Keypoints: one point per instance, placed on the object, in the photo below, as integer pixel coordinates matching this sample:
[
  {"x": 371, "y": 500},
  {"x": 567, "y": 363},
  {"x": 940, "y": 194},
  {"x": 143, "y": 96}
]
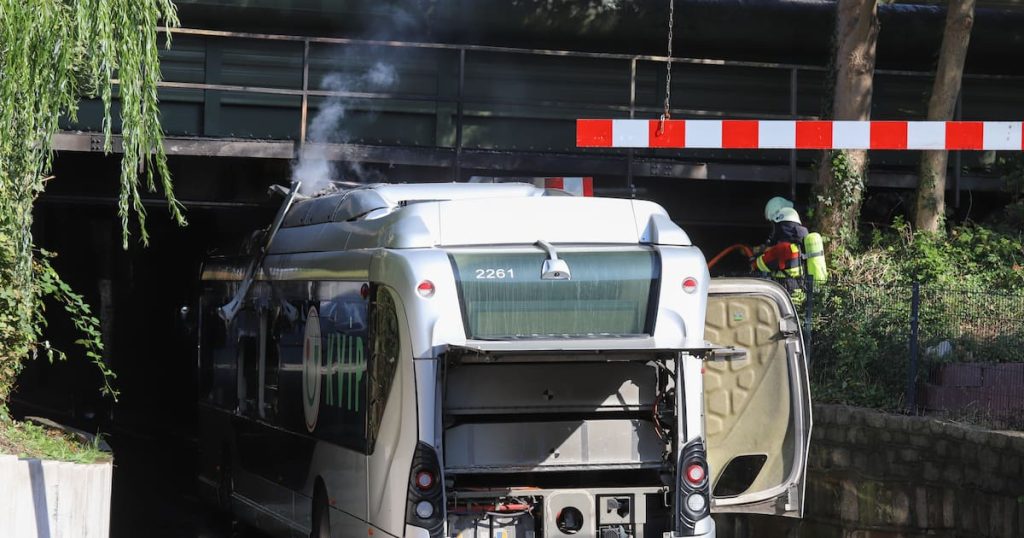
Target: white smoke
[
  {"x": 382, "y": 75},
  {"x": 313, "y": 168}
]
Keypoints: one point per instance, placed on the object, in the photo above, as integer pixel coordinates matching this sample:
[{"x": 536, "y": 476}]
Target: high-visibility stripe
[
  {"x": 1002, "y": 135},
  {"x": 588, "y": 186},
  {"x": 851, "y": 134},
  {"x": 888, "y": 135},
  {"x": 776, "y": 134},
  {"x": 965, "y": 135},
  {"x": 813, "y": 134},
  {"x": 801, "y": 134},
  {"x": 671, "y": 135},
  {"x": 580, "y": 186},
  {"x": 739, "y": 133},
  {"x": 594, "y": 133},
  {"x": 704, "y": 134},
  {"x": 630, "y": 134}
]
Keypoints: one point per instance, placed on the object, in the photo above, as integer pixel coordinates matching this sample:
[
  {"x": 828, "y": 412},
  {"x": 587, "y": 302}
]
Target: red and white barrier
[
  {"x": 800, "y": 134},
  {"x": 580, "y": 186}
]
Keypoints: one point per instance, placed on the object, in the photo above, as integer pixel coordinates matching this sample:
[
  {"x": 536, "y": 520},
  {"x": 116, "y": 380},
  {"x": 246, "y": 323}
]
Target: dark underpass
[
  {"x": 150, "y": 343},
  {"x": 139, "y": 295}
]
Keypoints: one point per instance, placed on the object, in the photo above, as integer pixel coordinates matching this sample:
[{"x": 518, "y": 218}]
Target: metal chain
[{"x": 668, "y": 68}]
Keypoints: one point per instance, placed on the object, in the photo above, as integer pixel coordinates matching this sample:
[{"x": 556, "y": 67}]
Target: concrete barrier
[{"x": 52, "y": 499}]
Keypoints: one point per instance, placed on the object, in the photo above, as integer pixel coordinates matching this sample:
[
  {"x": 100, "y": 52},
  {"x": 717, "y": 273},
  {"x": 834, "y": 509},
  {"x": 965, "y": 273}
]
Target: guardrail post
[
  {"x": 792, "y": 112},
  {"x": 305, "y": 92},
  {"x": 915, "y": 310},
  {"x": 632, "y": 114},
  {"x": 458, "y": 116}
]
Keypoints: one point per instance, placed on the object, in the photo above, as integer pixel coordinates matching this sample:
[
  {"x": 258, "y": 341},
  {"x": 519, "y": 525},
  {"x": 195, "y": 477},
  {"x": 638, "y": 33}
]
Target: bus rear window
[{"x": 503, "y": 296}]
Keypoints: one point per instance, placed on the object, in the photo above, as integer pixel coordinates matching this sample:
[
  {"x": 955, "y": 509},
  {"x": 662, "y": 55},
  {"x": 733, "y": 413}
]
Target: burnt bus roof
[
  {"x": 354, "y": 204},
  {"x": 403, "y": 216}
]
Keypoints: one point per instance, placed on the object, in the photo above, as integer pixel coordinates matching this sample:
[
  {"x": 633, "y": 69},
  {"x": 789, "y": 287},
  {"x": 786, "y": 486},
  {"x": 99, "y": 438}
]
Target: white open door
[{"x": 756, "y": 399}]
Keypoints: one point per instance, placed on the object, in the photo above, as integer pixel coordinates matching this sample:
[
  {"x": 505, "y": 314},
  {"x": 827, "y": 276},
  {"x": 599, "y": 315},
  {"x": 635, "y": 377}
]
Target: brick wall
[
  {"x": 874, "y": 475},
  {"x": 997, "y": 388}
]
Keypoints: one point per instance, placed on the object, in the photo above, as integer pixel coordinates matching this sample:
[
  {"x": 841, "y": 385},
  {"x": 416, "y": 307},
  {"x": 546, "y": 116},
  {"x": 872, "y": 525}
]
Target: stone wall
[{"x": 874, "y": 475}]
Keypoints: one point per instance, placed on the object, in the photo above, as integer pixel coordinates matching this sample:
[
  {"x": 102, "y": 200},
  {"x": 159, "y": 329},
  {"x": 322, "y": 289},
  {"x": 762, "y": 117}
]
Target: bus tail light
[
  {"x": 425, "y": 480},
  {"x": 692, "y": 491},
  {"x": 689, "y": 284},
  {"x": 424, "y": 510},
  {"x": 425, "y": 289},
  {"x": 425, "y": 504},
  {"x": 695, "y": 474}
]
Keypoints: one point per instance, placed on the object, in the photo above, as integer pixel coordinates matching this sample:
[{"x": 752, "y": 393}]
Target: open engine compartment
[{"x": 559, "y": 444}]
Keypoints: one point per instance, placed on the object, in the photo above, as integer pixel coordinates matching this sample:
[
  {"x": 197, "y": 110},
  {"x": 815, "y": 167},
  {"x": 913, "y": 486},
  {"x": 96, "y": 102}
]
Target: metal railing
[
  {"x": 631, "y": 106},
  {"x": 876, "y": 345}
]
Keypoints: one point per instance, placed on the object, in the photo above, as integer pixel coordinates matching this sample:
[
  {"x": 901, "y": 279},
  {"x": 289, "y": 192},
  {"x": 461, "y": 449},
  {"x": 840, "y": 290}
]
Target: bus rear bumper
[{"x": 416, "y": 532}]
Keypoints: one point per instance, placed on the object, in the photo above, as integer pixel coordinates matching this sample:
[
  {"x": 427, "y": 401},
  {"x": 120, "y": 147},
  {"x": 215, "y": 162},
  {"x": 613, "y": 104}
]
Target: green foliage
[
  {"x": 53, "y": 53},
  {"x": 87, "y": 325},
  {"x": 860, "y": 344},
  {"x": 972, "y": 290},
  {"x": 1010, "y": 219},
  {"x": 836, "y": 203}
]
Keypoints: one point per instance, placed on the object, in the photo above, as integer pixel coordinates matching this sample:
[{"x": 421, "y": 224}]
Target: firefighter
[
  {"x": 782, "y": 256},
  {"x": 791, "y": 252}
]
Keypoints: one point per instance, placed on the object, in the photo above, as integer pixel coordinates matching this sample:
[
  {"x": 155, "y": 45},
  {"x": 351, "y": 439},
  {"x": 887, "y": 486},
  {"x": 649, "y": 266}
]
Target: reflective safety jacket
[{"x": 781, "y": 260}]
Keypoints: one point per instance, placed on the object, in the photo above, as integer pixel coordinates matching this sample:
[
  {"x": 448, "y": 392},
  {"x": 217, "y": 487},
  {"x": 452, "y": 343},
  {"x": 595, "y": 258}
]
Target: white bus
[{"x": 494, "y": 360}]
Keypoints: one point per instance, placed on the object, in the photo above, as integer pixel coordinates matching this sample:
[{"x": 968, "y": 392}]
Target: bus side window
[
  {"x": 217, "y": 358},
  {"x": 248, "y": 356},
  {"x": 207, "y": 345},
  {"x": 384, "y": 346},
  {"x": 271, "y": 328}
]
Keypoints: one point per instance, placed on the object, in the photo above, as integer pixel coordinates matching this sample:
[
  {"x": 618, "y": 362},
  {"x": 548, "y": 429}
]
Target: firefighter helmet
[
  {"x": 773, "y": 206},
  {"x": 787, "y": 214}
]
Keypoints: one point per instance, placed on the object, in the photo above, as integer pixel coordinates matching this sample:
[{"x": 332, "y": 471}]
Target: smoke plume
[
  {"x": 376, "y": 73},
  {"x": 313, "y": 168}
]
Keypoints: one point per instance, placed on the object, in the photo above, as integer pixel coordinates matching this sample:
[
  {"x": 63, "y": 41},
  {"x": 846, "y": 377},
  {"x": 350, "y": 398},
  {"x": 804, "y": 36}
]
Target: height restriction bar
[{"x": 800, "y": 134}]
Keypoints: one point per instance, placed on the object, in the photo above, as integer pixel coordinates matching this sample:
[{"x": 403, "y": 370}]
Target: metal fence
[{"x": 916, "y": 347}]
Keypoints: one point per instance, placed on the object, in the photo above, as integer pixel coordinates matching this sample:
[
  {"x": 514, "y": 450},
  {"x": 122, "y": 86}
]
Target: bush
[{"x": 972, "y": 290}]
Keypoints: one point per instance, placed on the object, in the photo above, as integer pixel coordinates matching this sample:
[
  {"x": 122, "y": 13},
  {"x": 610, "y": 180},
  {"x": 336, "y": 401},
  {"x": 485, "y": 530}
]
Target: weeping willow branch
[{"x": 52, "y": 54}]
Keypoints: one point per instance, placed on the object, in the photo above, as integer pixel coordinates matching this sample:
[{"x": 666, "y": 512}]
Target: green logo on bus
[
  {"x": 312, "y": 369},
  {"x": 346, "y": 359}
]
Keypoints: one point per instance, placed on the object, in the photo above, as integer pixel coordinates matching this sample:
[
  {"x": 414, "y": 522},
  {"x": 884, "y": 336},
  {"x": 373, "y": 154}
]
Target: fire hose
[{"x": 746, "y": 250}]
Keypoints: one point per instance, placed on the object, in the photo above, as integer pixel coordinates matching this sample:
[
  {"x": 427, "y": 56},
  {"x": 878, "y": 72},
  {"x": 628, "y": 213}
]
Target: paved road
[{"x": 154, "y": 491}]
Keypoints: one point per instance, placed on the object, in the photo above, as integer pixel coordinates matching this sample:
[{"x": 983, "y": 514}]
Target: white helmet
[
  {"x": 773, "y": 206},
  {"x": 787, "y": 214}
]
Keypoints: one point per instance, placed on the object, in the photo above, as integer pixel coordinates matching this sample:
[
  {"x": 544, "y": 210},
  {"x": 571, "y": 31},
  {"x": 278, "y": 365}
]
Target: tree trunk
[
  {"x": 840, "y": 183},
  {"x": 931, "y": 187}
]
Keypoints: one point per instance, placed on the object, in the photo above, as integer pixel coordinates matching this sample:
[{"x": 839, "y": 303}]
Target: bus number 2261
[{"x": 494, "y": 274}]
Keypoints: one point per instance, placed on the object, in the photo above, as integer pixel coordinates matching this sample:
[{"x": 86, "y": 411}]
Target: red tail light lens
[
  {"x": 424, "y": 480},
  {"x": 695, "y": 474},
  {"x": 425, "y": 289},
  {"x": 689, "y": 284}
]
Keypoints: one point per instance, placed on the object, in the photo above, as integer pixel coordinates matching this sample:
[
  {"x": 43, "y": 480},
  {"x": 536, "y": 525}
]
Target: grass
[{"x": 27, "y": 440}]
